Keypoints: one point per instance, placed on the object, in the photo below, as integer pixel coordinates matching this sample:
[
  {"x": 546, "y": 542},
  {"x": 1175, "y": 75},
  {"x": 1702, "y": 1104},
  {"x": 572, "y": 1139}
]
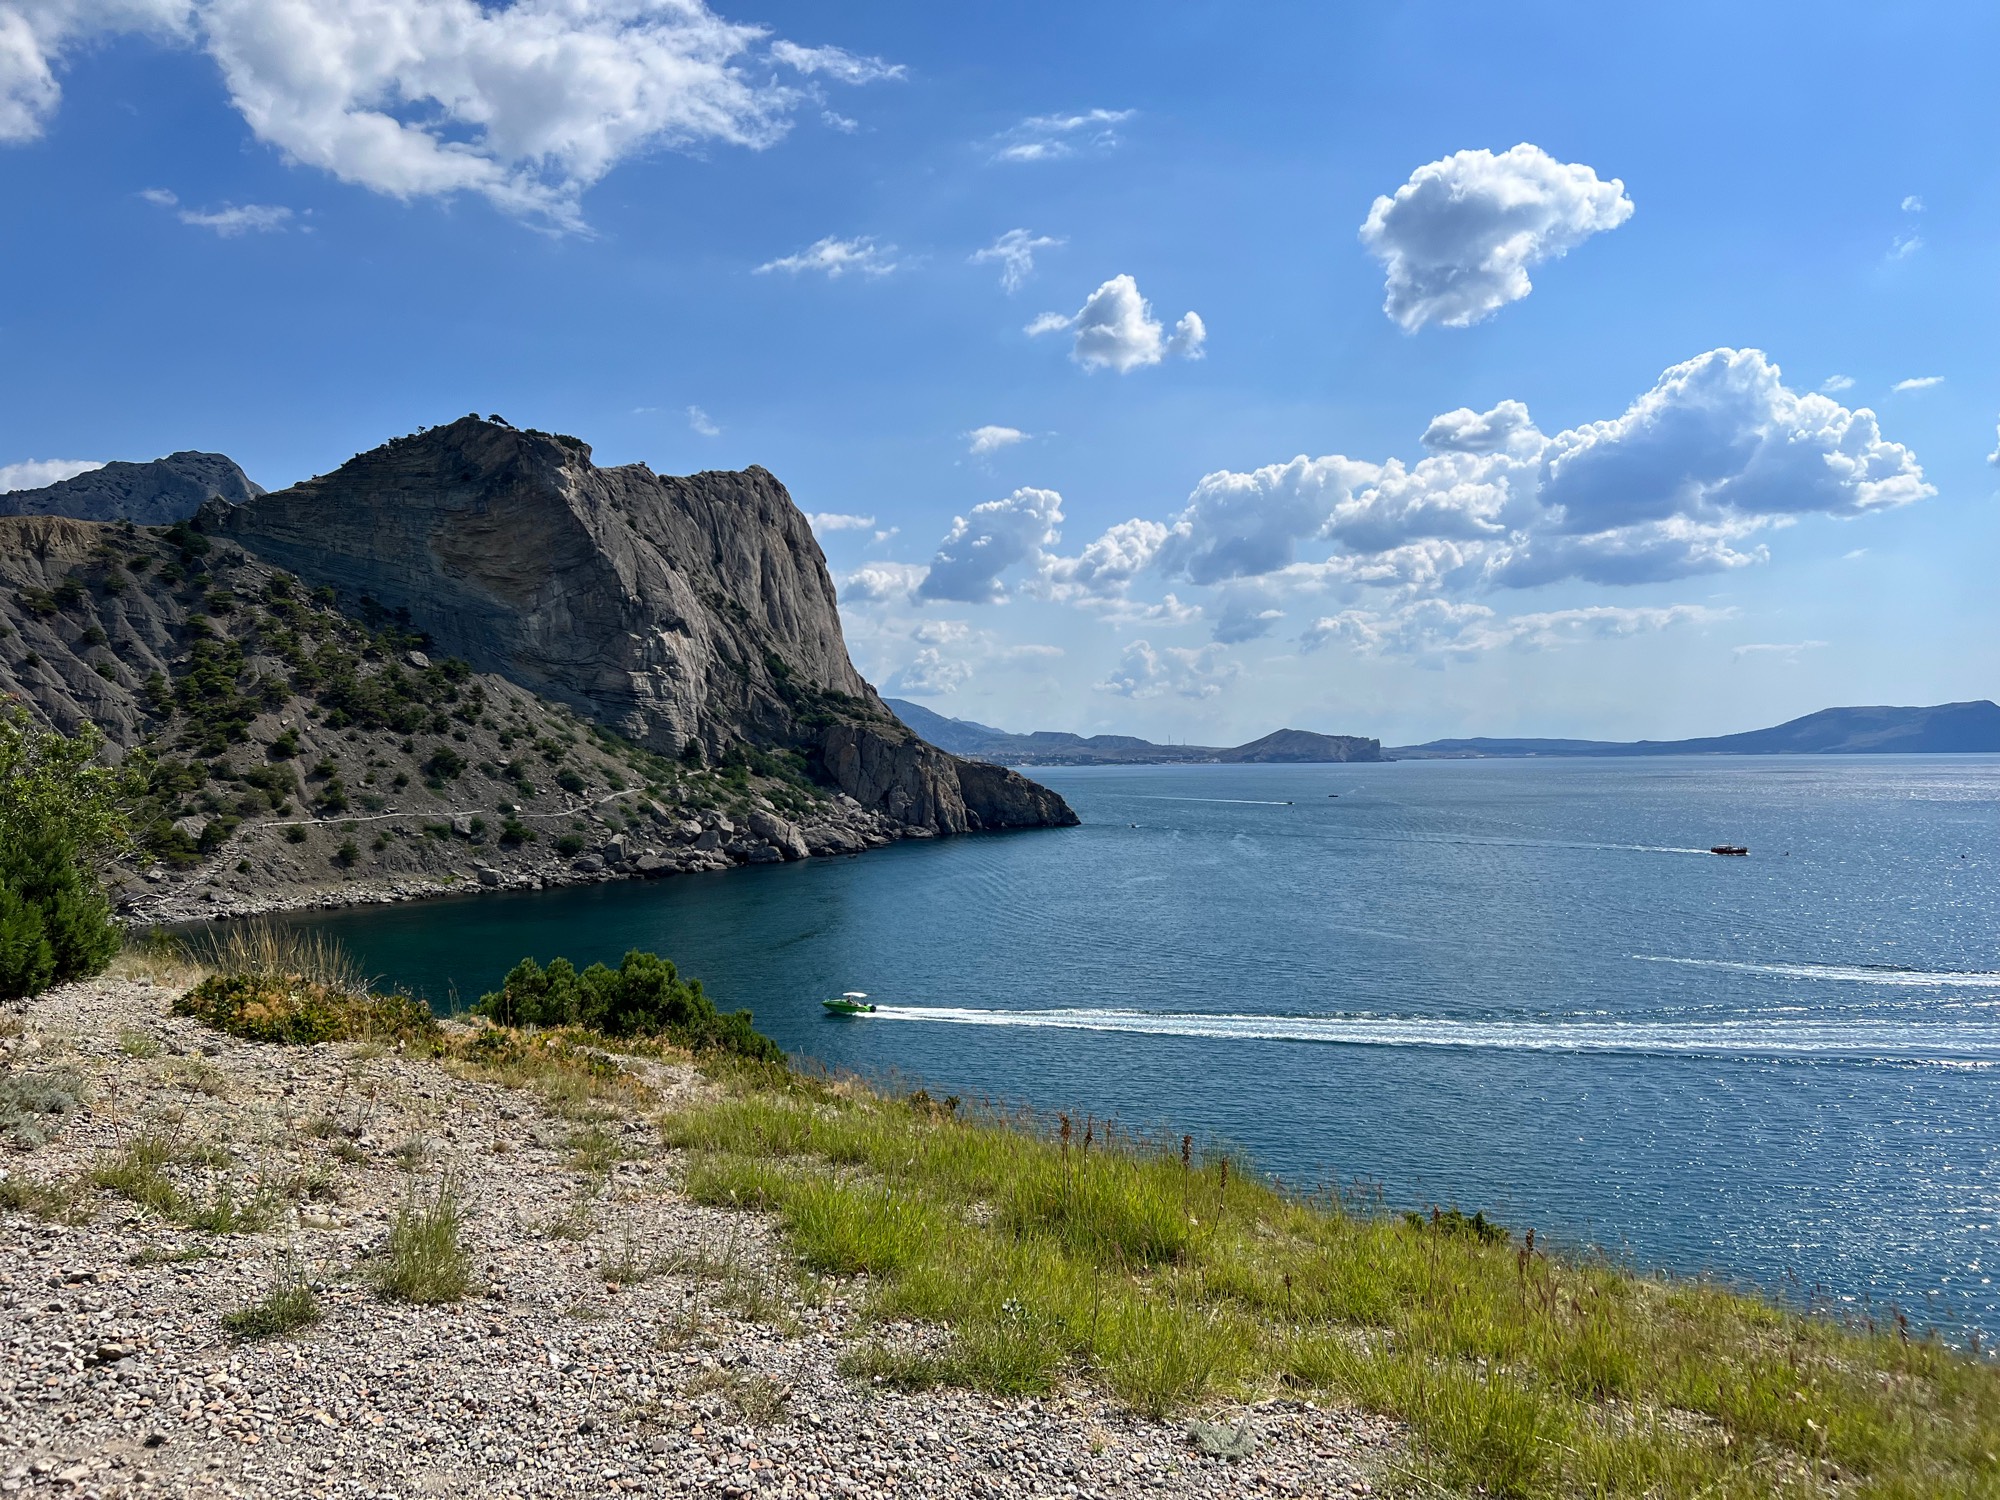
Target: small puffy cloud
[
  {"x": 1052, "y": 137},
  {"x": 930, "y": 674},
  {"x": 881, "y": 582},
  {"x": 1903, "y": 246},
  {"x": 1115, "y": 330},
  {"x": 1994, "y": 457},
  {"x": 826, "y": 521},
  {"x": 991, "y": 439},
  {"x": 835, "y": 62},
  {"x": 1457, "y": 238},
  {"x": 700, "y": 422},
  {"x": 835, "y": 258},
  {"x": 1500, "y": 430},
  {"x": 1913, "y": 204},
  {"x": 1244, "y": 615},
  {"x": 1185, "y": 672},
  {"x": 33, "y": 473},
  {"x": 1015, "y": 253},
  {"x": 1833, "y": 385},
  {"x": 993, "y": 537},
  {"x": 1918, "y": 383}
]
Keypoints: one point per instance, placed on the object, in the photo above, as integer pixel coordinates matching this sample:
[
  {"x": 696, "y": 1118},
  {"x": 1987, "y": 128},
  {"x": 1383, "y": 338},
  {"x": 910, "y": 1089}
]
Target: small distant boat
[
  {"x": 853, "y": 1003},
  {"x": 1728, "y": 848}
]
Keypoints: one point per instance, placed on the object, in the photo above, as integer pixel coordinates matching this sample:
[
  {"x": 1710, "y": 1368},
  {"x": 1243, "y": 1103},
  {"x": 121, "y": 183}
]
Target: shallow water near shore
[{"x": 1517, "y": 986}]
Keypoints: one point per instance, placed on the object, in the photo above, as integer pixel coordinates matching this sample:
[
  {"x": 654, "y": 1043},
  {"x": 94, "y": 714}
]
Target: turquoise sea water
[{"x": 1519, "y": 986}]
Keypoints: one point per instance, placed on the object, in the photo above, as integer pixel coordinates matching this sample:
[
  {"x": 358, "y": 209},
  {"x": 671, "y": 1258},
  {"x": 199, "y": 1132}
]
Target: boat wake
[
  {"x": 1970, "y": 1043},
  {"x": 1892, "y": 975}
]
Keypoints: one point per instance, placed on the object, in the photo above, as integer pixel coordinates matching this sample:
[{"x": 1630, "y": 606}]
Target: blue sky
[{"x": 287, "y": 231}]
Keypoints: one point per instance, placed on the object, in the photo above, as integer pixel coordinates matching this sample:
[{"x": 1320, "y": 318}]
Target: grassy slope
[{"x": 1172, "y": 1280}]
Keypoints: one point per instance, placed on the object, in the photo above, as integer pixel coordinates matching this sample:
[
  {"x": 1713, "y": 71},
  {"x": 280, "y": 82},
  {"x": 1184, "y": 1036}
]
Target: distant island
[
  {"x": 1941, "y": 729},
  {"x": 975, "y": 741}
]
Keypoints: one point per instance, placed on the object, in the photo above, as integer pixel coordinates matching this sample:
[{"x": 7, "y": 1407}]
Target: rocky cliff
[
  {"x": 674, "y": 610},
  {"x": 152, "y": 494}
]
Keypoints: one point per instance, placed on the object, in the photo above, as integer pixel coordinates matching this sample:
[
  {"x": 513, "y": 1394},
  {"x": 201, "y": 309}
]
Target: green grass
[
  {"x": 139, "y": 1174},
  {"x": 287, "y": 1307},
  {"x": 424, "y": 1261},
  {"x": 1170, "y": 1279}
]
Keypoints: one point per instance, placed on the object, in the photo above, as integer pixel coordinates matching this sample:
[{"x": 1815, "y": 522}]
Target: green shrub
[
  {"x": 60, "y": 813},
  {"x": 643, "y": 996},
  {"x": 290, "y": 1008}
]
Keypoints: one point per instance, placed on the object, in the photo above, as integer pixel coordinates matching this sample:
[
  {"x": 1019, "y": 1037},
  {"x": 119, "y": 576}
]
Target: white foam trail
[
  {"x": 1238, "y": 801},
  {"x": 1883, "y": 974},
  {"x": 1841, "y": 1038}
]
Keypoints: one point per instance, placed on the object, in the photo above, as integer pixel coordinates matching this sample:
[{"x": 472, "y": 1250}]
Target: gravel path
[{"x": 619, "y": 1338}]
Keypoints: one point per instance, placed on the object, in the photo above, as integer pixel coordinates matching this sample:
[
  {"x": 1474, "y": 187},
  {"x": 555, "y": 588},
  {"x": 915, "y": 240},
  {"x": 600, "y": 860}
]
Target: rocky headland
[{"x": 470, "y": 659}]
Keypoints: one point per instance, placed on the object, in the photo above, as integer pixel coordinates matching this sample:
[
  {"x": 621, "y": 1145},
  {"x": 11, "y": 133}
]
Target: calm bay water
[{"x": 1515, "y": 986}]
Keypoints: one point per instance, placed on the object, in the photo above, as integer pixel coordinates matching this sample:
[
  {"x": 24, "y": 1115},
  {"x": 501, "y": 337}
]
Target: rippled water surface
[{"x": 1521, "y": 986}]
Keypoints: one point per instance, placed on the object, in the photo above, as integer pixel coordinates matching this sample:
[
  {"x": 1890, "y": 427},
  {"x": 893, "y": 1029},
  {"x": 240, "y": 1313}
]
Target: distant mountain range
[
  {"x": 1053, "y": 748},
  {"x": 152, "y": 494},
  {"x": 1942, "y": 729}
]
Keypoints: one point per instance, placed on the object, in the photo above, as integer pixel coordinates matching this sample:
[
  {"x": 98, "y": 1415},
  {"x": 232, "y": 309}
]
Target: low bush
[
  {"x": 643, "y": 997},
  {"x": 290, "y": 1008}
]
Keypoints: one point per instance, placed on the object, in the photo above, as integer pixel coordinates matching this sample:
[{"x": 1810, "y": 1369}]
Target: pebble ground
[{"x": 618, "y": 1338}]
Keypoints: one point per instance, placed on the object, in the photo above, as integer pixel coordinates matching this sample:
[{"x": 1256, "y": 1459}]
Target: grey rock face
[
  {"x": 672, "y": 609},
  {"x": 152, "y": 494}
]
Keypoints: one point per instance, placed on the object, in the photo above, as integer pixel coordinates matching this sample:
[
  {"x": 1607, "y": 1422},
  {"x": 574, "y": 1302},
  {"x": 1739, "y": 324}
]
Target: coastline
[{"x": 707, "y": 842}]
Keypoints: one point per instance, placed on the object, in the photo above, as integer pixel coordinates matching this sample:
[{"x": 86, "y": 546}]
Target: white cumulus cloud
[
  {"x": 834, "y": 258},
  {"x": 882, "y": 582},
  {"x": 1015, "y": 252},
  {"x": 1458, "y": 238},
  {"x": 1833, "y": 385},
  {"x": 833, "y": 520},
  {"x": 701, "y": 423},
  {"x": 1115, "y": 330},
  {"x": 33, "y": 473},
  {"x": 930, "y": 674},
  {"x": 1719, "y": 450},
  {"x": 1185, "y": 672},
  {"x": 526, "y": 104},
  {"x": 37, "y": 36},
  {"x": 986, "y": 542},
  {"x": 1918, "y": 383},
  {"x": 1052, "y": 137},
  {"x": 992, "y": 438}
]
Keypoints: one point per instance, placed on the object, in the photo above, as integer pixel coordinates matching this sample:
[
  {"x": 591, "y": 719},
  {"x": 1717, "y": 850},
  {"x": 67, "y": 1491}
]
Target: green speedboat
[{"x": 853, "y": 1003}]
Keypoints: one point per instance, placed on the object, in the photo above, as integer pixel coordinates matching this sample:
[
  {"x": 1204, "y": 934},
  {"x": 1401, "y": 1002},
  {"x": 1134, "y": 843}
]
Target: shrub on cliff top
[{"x": 643, "y": 997}]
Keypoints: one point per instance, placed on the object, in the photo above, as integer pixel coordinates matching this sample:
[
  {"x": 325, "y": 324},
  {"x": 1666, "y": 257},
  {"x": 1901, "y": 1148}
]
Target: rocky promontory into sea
[{"x": 468, "y": 659}]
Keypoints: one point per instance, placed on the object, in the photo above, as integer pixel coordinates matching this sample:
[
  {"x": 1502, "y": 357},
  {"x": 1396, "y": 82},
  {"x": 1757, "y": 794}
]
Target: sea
[{"x": 1521, "y": 987}]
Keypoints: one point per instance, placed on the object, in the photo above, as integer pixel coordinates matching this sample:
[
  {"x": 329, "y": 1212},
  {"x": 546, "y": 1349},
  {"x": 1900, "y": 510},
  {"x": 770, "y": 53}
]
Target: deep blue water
[{"x": 1519, "y": 986}]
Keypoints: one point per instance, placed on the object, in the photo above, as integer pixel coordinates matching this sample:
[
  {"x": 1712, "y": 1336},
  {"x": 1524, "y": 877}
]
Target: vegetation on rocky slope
[{"x": 1172, "y": 1275}]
